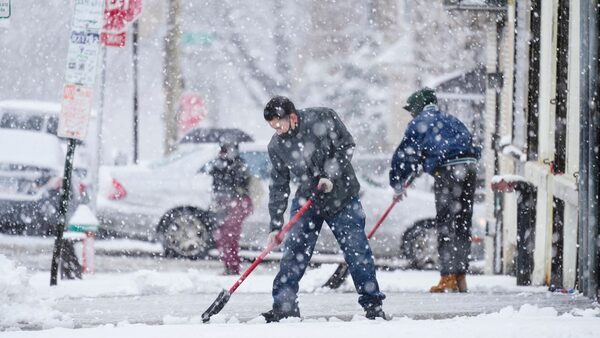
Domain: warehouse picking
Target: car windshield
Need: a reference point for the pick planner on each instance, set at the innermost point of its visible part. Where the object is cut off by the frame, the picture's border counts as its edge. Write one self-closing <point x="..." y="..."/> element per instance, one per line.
<point x="171" y="158"/>
<point x="194" y="156"/>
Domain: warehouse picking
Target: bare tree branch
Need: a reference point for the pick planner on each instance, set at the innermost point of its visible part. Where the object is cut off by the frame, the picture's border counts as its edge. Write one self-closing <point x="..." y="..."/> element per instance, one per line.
<point x="270" y="83"/>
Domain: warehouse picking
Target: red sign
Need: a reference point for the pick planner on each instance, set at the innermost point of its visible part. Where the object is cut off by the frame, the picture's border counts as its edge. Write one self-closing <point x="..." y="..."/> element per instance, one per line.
<point x="191" y="112"/>
<point x="113" y="40"/>
<point x="118" y="14"/>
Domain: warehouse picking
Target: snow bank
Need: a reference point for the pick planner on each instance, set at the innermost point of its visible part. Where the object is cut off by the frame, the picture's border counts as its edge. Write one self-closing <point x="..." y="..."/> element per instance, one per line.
<point x="508" y="179"/>
<point x="19" y="305"/>
<point x="151" y="282"/>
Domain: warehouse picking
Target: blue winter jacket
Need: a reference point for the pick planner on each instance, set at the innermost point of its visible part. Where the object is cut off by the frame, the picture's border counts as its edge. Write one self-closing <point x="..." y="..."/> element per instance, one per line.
<point x="432" y="139"/>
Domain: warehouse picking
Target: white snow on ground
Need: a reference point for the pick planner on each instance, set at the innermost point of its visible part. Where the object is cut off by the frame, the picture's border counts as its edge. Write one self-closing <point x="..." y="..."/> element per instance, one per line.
<point x="19" y="303"/>
<point x="27" y="298"/>
<point x="117" y="245"/>
<point x="147" y="282"/>
<point x="528" y="321"/>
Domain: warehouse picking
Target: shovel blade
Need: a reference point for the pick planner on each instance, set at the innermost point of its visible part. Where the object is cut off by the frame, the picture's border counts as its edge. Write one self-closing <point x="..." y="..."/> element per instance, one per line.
<point x="338" y="277"/>
<point x="216" y="306"/>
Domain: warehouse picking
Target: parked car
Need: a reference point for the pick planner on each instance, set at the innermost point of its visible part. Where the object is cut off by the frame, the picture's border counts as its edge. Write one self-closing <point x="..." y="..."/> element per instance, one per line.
<point x="42" y="117"/>
<point x="168" y="200"/>
<point x="31" y="170"/>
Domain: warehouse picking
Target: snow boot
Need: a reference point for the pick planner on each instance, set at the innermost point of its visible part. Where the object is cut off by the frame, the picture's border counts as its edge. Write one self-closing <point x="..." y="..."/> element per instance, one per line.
<point x="375" y="312"/>
<point x="461" y="282"/>
<point x="447" y="283"/>
<point x="273" y="316"/>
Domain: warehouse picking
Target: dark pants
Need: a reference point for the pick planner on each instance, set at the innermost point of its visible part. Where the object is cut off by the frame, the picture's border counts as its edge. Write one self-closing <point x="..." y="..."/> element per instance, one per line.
<point x="348" y="228"/>
<point x="454" y="192"/>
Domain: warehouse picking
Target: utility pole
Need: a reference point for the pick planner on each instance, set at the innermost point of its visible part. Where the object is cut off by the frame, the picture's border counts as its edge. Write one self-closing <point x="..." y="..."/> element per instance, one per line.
<point x="172" y="75"/>
<point x="135" y="34"/>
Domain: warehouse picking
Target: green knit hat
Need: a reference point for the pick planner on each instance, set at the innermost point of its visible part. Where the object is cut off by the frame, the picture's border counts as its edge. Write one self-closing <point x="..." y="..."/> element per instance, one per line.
<point x="419" y="99"/>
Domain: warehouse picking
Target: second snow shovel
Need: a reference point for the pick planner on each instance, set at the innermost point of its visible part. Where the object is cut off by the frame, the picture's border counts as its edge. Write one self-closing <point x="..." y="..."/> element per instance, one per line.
<point x="224" y="296"/>
<point x="341" y="273"/>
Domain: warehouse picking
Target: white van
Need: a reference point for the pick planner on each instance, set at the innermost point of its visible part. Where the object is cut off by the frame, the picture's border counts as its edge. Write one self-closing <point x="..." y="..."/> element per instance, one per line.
<point x="42" y="116"/>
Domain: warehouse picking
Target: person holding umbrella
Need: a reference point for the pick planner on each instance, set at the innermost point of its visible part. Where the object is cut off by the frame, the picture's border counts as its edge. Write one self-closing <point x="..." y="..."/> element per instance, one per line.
<point x="443" y="146"/>
<point x="232" y="203"/>
<point x="313" y="148"/>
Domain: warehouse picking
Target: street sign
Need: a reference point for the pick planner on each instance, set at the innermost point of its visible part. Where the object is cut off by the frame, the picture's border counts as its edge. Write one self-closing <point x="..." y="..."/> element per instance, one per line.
<point x="198" y="38"/>
<point x="88" y="15"/>
<point x="4" y="9"/>
<point x="84" y="42"/>
<point x="75" y="111"/>
<point x="82" y="57"/>
<point x="118" y="14"/>
<point x="113" y="40"/>
<point x="191" y="112"/>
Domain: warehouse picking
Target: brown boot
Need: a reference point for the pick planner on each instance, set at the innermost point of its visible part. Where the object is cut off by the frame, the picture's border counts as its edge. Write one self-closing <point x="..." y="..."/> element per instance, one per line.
<point x="447" y="284"/>
<point x="461" y="282"/>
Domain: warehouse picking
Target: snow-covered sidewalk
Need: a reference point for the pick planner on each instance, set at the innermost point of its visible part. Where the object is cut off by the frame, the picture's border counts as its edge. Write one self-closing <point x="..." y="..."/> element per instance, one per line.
<point x="154" y="297"/>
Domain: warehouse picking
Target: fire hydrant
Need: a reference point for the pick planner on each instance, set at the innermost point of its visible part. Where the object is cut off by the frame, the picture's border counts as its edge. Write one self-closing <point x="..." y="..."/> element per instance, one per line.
<point x="85" y="222"/>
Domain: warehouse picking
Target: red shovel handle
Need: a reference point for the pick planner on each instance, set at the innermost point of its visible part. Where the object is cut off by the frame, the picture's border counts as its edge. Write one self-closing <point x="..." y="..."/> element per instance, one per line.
<point x="408" y="182"/>
<point x="269" y="247"/>
<point x="383" y="217"/>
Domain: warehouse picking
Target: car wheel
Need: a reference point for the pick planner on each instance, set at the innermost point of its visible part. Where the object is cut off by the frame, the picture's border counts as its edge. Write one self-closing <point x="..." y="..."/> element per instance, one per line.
<point x="419" y="245"/>
<point x="185" y="233"/>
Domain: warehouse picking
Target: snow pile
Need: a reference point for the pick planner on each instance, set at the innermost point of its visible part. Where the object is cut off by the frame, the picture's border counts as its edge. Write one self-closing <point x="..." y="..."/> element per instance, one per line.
<point x="19" y="305"/>
<point x="507" y="178"/>
<point x="514" y="151"/>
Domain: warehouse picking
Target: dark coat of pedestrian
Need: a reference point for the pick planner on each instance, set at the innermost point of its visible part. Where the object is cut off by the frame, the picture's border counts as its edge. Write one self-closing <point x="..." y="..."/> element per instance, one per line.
<point x="232" y="203"/>
<point x="313" y="148"/>
<point x="443" y="147"/>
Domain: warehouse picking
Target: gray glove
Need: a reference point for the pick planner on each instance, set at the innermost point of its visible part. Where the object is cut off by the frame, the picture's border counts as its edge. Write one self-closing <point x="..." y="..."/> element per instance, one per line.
<point x="325" y="185"/>
<point x="399" y="194"/>
<point x="272" y="237"/>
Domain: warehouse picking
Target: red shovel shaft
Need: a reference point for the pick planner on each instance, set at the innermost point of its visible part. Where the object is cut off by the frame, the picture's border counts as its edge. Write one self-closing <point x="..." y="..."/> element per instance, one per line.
<point x="405" y="186"/>
<point x="265" y="252"/>
<point x="383" y="217"/>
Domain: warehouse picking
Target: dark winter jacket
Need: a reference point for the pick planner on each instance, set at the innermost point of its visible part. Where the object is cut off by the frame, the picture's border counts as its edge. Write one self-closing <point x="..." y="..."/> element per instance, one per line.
<point x="319" y="147"/>
<point x="231" y="178"/>
<point x="432" y="139"/>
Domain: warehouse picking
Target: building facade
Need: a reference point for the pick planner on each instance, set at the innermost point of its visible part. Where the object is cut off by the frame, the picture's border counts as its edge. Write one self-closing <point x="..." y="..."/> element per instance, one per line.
<point x="542" y="129"/>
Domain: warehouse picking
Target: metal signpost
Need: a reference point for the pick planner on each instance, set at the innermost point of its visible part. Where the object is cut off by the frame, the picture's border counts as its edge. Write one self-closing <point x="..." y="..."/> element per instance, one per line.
<point x="77" y="100"/>
<point x="119" y="14"/>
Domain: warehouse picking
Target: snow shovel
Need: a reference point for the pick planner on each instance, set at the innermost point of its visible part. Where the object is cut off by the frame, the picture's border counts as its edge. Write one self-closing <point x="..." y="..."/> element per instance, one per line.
<point x="341" y="273"/>
<point x="224" y="296"/>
